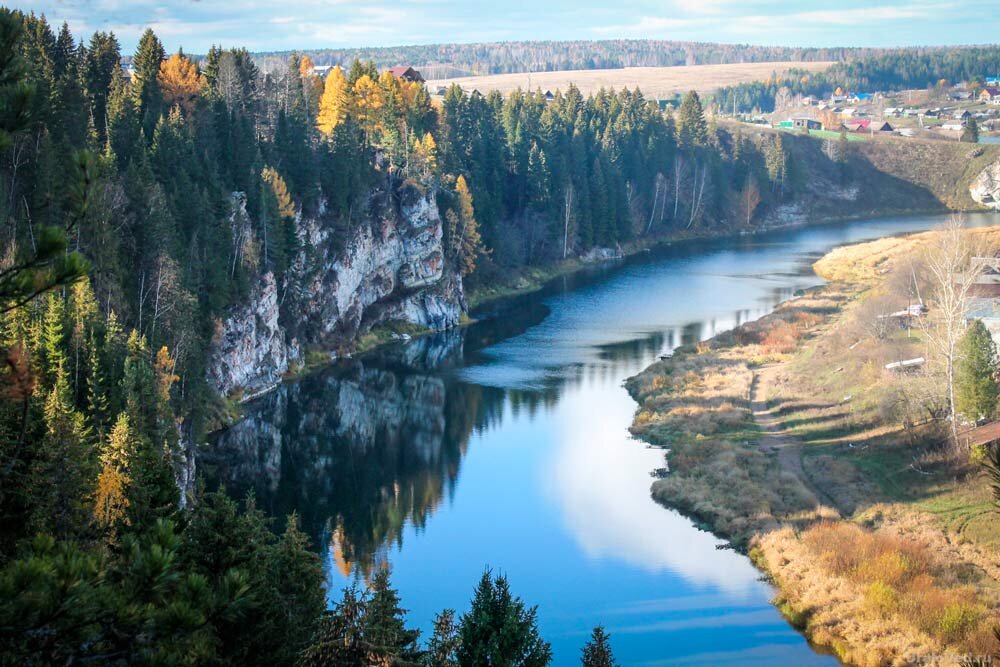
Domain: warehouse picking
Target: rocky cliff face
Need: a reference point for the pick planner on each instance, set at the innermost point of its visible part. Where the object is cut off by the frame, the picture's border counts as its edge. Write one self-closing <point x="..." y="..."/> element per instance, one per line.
<point x="985" y="189"/>
<point x="391" y="267"/>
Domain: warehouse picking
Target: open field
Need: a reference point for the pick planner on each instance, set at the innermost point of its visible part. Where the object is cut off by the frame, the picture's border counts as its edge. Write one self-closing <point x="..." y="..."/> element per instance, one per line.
<point x="656" y="82"/>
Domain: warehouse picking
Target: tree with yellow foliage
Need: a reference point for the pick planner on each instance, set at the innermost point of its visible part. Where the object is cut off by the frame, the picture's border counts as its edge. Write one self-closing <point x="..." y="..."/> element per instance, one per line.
<point x="463" y="230"/>
<point x="334" y="103"/>
<point x="111" y="499"/>
<point x="424" y="156"/>
<point x="180" y="81"/>
<point x="286" y="207"/>
<point x="368" y="100"/>
<point x="312" y="83"/>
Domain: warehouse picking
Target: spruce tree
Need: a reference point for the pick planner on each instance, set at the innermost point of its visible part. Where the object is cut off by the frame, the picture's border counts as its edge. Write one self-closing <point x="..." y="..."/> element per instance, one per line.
<point x="385" y="630"/>
<point x="149" y="55"/>
<point x="976" y="373"/>
<point x="692" y="130"/>
<point x="597" y="651"/>
<point x="500" y="630"/>
<point x="442" y="649"/>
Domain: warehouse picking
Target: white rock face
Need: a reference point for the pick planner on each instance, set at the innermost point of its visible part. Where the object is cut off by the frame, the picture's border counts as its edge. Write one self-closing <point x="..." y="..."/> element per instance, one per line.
<point x="250" y="351"/>
<point x="985" y="189"/>
<point x="391" y="268"/>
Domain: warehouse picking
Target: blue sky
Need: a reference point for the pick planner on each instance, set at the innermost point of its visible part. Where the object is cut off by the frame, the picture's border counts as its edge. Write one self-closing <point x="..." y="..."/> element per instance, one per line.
<point x="299" y="24"/>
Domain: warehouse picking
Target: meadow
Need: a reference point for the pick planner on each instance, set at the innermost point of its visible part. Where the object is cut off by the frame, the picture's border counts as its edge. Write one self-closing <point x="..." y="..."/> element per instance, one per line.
<point x="654" y="82"/>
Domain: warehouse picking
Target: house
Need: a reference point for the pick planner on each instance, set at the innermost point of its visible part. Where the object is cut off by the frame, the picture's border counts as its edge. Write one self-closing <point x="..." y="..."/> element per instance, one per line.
<point x="858" y="125"/>
<point x="549" y="96"/>
<point x="961" y="95"/>
<point x="953" y="127"/>
<point x="881" y="126"/>
<point x="990" y="94"/>
<point x="322" y="70"/>
<point x="861" y="98"/>
<point x="802" y="122"/>
<point x="406" y="73"/>
<point x="962" y="115"/>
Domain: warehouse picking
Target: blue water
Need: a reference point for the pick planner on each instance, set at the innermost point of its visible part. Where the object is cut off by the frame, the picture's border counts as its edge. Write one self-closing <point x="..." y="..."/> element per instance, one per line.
<point x="505" y="445"/>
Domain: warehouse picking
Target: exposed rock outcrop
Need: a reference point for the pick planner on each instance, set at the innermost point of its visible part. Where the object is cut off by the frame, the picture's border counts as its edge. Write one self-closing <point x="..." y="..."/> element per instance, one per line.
<point x="985" y="189"/>
<point x="391" y="267"/>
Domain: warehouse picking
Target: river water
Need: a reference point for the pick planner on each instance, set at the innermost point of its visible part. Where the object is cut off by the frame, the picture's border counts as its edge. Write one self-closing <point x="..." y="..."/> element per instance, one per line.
<point x="505" y="445"/>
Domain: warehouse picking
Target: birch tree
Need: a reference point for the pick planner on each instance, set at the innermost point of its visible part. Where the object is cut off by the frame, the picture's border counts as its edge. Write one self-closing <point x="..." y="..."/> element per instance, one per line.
<point x="953" y="262"/>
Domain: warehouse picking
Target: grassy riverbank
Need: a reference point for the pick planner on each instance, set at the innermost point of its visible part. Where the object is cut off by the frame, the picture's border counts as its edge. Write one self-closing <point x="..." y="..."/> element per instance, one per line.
<point x="788" y="437"/>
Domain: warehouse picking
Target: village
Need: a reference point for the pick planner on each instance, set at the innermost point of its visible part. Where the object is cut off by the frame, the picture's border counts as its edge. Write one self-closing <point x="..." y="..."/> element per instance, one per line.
<point x="941" y="112"/>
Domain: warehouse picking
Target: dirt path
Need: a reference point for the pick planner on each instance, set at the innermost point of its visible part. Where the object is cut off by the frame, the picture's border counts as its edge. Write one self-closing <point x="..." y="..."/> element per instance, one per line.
<point x="774" y="438"/>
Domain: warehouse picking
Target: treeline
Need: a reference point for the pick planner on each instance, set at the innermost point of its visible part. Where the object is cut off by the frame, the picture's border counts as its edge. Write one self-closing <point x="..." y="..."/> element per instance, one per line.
<point x="556" y="178"/>
<point x="896" y="69"/>
<point x="450" y="60"/>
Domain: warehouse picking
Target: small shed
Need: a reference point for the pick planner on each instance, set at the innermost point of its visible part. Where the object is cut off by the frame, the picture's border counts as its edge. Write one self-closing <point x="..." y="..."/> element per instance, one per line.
<point x="805" y="123"/>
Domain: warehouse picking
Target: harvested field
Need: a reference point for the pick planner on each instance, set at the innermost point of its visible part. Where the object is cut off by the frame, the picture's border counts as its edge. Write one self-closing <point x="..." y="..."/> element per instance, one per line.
<point x="656" y="82"/>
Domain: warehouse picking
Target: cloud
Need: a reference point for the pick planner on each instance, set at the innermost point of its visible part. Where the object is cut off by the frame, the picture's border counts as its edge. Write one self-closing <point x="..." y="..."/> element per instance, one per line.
<point x="265" y="25"/>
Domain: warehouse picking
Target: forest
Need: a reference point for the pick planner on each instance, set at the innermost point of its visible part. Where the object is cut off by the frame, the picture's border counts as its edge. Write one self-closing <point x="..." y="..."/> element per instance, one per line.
<point x="122" y="251"/>
<point x="451" y="60"/>
<point x="890" y="70"/>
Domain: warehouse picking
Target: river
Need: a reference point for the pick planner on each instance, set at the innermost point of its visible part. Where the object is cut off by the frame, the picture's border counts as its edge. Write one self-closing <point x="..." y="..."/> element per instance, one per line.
<point x="505" y="445"/>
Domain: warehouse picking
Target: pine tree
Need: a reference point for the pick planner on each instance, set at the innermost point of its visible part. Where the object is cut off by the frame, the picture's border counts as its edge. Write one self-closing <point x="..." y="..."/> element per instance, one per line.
<point x="385" y="629"/>
<point x="976" y="373"/>
<point x="500" y="630"/>
<point x="970" y="133"/>
<point x="597" y="652"/>
<point x="692" y="130"/>
<point x="340" y="641"/>
<point x="149" y="55"/>
<point x="442" y="649"/>
<point x="64" y="468"/>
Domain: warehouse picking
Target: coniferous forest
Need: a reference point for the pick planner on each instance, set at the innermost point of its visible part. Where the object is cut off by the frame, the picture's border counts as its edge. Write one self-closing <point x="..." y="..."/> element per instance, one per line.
<point x="141" y="205"/>
<point x="121" y="254"/>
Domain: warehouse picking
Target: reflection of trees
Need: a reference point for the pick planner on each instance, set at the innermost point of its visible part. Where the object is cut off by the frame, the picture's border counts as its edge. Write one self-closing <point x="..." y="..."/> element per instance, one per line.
<point x="357" y="452"/>
<point x="369" y="446"/>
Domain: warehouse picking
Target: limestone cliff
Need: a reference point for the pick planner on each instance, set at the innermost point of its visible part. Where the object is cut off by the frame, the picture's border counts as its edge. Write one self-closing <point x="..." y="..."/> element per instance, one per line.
<point x="389" y="267"/>
<point x="985" y="189"/>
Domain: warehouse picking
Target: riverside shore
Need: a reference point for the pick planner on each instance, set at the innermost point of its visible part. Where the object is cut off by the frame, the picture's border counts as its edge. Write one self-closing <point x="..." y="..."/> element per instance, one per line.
<point x="780" y="438"/>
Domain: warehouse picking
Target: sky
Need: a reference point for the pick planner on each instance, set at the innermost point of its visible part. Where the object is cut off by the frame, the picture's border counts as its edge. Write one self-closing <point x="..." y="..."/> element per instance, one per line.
<point x="307" y="24"/>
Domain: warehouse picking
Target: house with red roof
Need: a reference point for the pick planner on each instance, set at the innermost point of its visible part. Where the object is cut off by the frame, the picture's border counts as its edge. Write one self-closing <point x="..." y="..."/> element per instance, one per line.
<point x="406" y="73"/>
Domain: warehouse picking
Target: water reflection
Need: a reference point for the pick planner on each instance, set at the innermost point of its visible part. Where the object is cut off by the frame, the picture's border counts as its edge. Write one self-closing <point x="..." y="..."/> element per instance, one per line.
<point x="506" y="443"/>
<point x="359" y="451"/>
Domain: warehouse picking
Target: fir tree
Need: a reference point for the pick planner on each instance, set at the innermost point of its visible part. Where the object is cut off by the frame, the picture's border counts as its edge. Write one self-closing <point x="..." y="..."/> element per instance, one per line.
<point x="597" y="651"/>
<point x="976" y="373"/>
<point x="385" y="629"/>
<point x="500" y="630"/>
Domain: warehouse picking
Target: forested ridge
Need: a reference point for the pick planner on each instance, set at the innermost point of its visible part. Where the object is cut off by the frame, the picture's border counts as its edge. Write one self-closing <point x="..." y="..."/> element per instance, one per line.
<point x="123" y="251"/>
<point x="449" y="60"/>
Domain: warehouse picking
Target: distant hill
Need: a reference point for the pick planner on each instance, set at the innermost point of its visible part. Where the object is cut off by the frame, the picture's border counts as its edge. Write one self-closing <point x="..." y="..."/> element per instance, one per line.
<point x="442" y="61"/>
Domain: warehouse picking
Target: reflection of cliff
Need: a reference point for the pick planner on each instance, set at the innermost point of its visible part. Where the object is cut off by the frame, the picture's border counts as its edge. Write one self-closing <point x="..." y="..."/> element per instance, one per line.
<point x="357" y="452"/>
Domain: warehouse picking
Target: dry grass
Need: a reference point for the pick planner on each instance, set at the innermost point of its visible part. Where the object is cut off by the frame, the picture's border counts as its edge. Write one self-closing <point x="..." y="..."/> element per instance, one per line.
<point x="878" y="596"/>
<point x="654" y="82"/>
<point x="913" y="572"/>
<point x="697" y="405"/>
